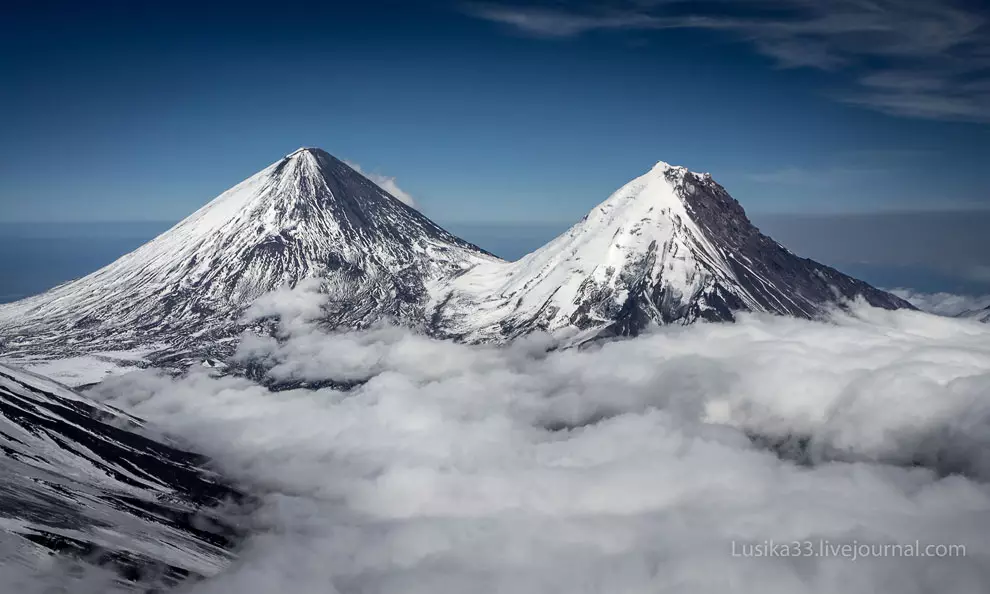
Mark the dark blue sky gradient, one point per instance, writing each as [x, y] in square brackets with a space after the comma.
[117, 112]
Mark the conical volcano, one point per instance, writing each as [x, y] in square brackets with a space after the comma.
[307, 215]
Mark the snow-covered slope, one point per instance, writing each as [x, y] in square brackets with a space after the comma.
[307, 215]
[75, 478]
[671, 246]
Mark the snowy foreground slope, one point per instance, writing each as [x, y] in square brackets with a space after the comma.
[76, 478]
[669, 247]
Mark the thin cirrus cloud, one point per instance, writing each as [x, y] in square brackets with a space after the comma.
[908, 58]
[798, 176]
[792, 176]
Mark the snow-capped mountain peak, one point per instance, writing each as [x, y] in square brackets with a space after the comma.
[663, 167]
[307, 215]
[670, 246]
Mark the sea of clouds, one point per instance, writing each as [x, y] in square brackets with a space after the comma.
[636, 466]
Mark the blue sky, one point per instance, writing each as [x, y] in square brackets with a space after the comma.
[496, 111]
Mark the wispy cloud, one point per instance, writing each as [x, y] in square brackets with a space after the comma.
[556, 23]
[926, 105]
[788, 176]
[386, 183]
[798, 176]
[888, 155]
[911, 58]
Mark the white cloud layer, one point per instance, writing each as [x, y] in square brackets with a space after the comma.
[622, 468]
[386, 183]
